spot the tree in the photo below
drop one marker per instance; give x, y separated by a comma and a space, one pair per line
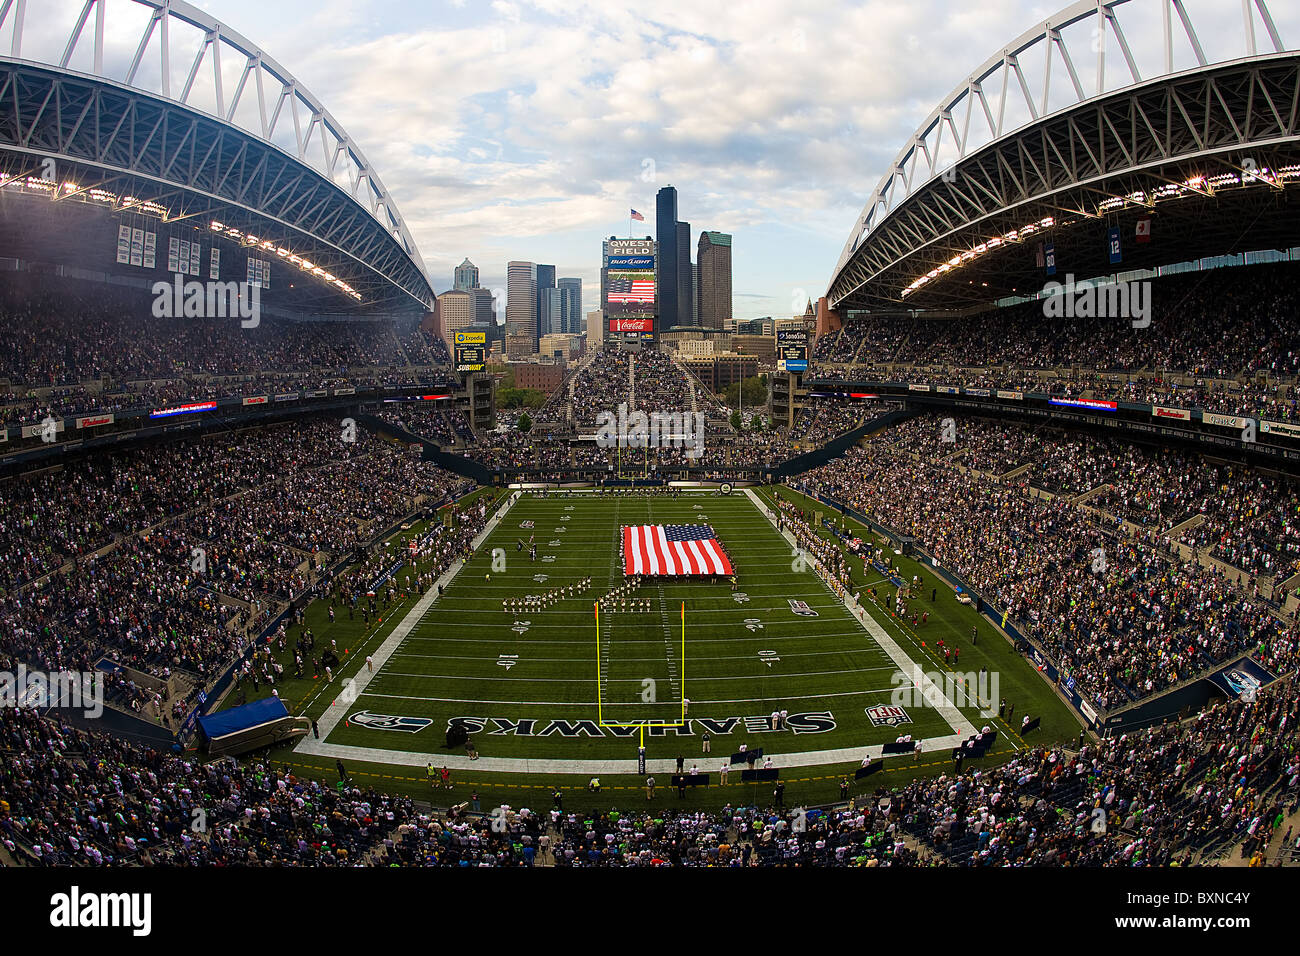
525, 424
735, 420
520, 398
755, 392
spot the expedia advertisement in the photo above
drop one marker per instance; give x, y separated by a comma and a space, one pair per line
471, 349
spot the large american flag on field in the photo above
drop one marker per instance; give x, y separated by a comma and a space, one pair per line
631, 290
673, 549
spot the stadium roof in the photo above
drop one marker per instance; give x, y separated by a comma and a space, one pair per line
1053, 143
188, 122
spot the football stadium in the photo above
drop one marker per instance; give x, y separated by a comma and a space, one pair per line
986, 553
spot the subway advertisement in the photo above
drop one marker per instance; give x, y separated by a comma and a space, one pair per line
471, 348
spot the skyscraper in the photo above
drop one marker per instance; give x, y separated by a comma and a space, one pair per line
550, 312
545, 280
695, 292
571, 305
484, 314
714, 262
666, 277
521, 310
685, 309
466, 276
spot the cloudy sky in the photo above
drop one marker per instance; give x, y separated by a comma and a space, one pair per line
526, 130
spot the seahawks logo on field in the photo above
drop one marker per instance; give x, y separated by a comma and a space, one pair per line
725, 488
801, 608
525, 524
405, 725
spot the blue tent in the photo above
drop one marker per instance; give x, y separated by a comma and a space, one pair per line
238, 719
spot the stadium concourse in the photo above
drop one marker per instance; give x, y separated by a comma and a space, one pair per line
322, 557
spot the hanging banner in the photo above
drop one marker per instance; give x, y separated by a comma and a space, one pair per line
1049, 251
194, 258
123, 245
137, 247
150, 249
173, 255
1113, 245
214, 264
184, 260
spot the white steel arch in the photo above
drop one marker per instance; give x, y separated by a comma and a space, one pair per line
265, 101
971, 117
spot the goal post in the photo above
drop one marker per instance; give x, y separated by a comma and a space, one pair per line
602, 675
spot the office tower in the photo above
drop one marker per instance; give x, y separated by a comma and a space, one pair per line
483, 312
466, 276
550, 312
695, 293
666, 264
545, 280
685, 312
456, 309
713, 259
571, 305
521, 310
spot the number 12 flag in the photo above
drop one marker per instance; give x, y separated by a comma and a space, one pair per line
674, 549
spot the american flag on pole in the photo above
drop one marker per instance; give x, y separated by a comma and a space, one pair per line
636, 215
673, 549
622, 289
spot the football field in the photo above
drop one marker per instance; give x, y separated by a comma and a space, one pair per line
538, 691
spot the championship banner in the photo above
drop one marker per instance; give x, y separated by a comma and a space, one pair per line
123, 245
150, 249
194, 258
1182, 414
94, 421
189, 409
1093, 403
183, 262
173, 255
214, 264
137, 247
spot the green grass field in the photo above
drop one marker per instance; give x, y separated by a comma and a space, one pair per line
525, 683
